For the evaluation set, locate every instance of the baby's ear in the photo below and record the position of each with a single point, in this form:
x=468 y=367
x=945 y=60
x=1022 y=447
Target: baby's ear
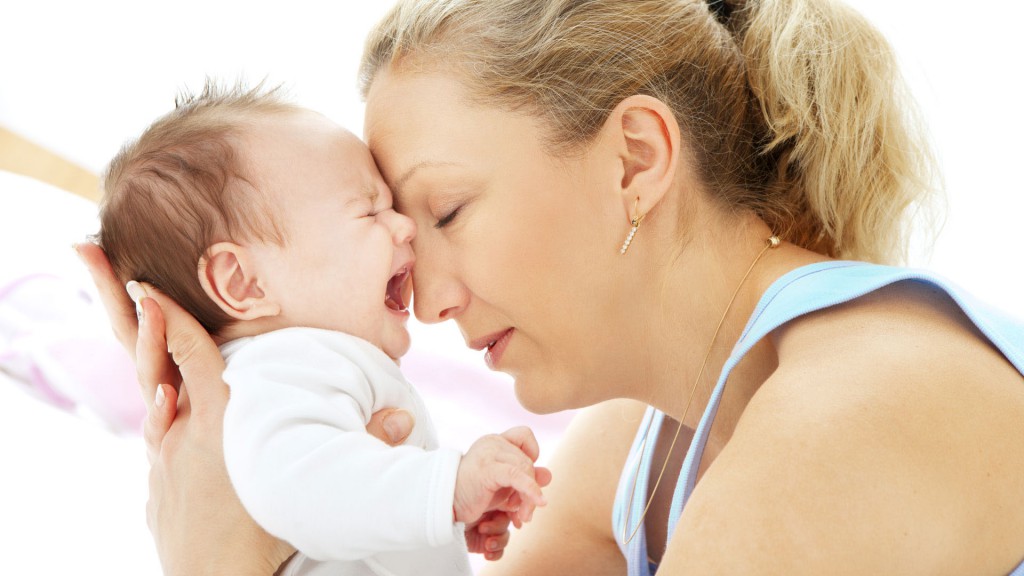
x=229 y=277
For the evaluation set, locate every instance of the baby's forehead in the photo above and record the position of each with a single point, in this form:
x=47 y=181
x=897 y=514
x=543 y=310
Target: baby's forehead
x=305 y=154
x=306 y=137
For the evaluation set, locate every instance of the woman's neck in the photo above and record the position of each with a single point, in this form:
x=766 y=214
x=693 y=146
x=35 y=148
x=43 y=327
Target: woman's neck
x=702 y=320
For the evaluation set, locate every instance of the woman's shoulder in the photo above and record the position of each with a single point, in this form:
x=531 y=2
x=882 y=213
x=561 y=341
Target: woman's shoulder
x=884 y=423
x=913 y=332
x=902 y=357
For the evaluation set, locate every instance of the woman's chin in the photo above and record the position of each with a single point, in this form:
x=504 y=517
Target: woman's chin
x=538 y=398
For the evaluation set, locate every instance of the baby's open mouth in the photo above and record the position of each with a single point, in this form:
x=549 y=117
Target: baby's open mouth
x=395 y=298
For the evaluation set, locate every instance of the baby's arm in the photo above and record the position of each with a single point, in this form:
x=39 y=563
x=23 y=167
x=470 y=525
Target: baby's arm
x=305 y=469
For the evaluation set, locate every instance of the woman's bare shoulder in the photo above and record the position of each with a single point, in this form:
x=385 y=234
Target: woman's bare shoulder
x=906 y=341
x=888 y=437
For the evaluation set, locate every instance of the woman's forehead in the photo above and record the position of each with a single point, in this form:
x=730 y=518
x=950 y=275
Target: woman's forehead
x=414 y=121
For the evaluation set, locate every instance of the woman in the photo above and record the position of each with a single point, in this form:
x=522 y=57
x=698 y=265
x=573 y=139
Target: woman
x=629 y=205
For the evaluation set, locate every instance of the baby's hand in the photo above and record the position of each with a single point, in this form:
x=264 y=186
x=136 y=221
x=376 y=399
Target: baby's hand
x=497 y=473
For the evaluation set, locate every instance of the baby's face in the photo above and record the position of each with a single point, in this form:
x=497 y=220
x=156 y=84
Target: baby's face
x=347 y=257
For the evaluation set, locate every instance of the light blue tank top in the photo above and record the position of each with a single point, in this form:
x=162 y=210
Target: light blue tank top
x=799 y=292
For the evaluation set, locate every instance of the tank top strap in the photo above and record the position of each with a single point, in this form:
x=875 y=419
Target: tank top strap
x=627 y=514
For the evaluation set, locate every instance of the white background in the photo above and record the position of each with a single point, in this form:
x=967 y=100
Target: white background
x=81 y=77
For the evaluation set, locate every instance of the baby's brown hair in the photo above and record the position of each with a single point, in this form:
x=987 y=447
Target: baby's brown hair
x=183 y=186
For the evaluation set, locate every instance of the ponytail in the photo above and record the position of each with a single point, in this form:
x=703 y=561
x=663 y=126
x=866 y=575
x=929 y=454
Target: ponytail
x=853 y=159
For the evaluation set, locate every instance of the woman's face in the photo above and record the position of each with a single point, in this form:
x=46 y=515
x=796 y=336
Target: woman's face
x=519 y=247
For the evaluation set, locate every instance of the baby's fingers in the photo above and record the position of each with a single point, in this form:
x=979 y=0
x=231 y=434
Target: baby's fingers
x=543 y=476
x=522 y=437
x=512 y=507
x=528 y=491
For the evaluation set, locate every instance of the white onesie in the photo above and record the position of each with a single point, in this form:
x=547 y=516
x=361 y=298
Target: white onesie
x=304 y=467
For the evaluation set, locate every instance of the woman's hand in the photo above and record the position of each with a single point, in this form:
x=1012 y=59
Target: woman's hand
x=489 y=535
x=197 y=521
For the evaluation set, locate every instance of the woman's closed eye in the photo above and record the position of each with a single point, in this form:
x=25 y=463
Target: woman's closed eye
x=446 y=220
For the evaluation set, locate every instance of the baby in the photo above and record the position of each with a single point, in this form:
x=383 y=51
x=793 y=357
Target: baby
x=273 y=227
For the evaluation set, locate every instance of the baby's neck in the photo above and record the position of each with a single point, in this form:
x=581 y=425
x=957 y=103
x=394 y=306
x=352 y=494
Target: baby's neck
x=244 y=329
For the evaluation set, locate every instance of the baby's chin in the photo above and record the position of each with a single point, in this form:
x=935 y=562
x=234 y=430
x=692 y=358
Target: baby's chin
x=397 y=346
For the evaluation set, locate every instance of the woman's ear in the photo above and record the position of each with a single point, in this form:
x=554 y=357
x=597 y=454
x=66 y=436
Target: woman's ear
x=647 y=140
x=229 y=277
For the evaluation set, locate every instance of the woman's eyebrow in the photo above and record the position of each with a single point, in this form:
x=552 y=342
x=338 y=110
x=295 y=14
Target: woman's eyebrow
x=416 y=167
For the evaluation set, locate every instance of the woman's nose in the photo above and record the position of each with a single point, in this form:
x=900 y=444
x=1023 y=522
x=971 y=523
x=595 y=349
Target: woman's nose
x=438 y=293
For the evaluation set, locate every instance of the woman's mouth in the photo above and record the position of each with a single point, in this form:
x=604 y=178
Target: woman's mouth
x=396 y=297
x=496 y=348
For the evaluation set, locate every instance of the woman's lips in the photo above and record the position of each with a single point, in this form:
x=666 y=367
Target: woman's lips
x=496 y=349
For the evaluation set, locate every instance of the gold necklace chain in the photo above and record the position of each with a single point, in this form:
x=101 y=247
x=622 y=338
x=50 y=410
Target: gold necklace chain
x=773 y=242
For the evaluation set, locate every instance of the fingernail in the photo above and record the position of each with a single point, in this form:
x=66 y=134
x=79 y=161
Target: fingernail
x=135 y=291
x=74 y=246
x=160 y=397
x=397 y=425
x=492 y=545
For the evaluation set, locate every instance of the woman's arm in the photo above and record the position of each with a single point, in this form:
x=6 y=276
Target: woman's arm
x=573 y=534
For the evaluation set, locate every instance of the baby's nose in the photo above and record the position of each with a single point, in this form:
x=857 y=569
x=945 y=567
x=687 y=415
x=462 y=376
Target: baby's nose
x=403 y=228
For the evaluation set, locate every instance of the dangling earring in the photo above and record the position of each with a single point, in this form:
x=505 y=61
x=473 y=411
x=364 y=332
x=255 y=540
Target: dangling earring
x=635 y=223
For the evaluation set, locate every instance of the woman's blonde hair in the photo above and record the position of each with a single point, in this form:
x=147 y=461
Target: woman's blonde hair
x=794 y=109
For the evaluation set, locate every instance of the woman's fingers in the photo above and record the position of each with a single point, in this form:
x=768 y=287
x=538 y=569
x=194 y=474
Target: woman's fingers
x=153 y=364
x=196 y=355
x=119 y=306
x=162 y=410
x=490 y=535
x=391 y=425
x=494 y=546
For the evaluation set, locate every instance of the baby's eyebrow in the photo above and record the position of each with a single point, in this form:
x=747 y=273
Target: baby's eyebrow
x=366 y=193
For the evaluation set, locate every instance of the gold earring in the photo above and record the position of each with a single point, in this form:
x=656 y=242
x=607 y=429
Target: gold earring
x=635 y=223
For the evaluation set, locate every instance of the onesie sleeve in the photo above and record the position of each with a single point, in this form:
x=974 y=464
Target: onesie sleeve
x=304 y=467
